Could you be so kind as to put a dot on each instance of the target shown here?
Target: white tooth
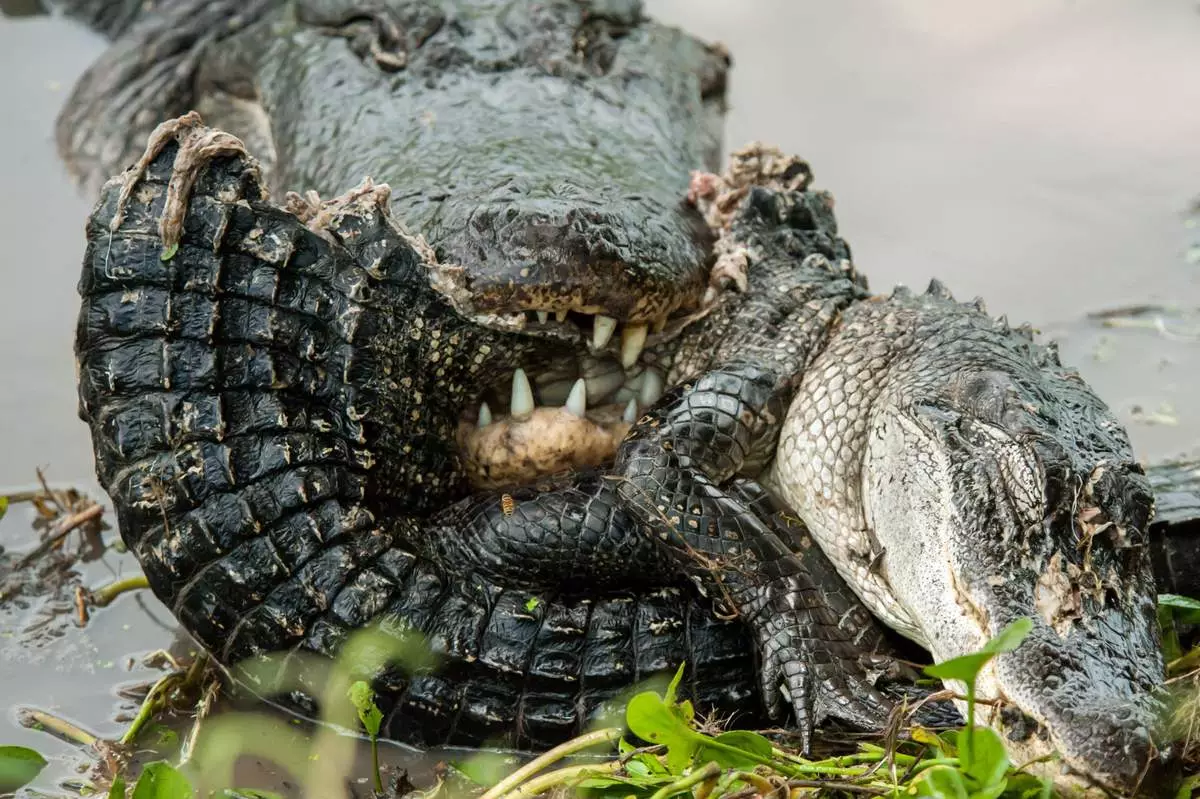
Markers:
(577, 399)
(633, 338)
(631, 411)
(560, 316)
(543, 316)
(602, 331)
(652, 388)
(485, 415)
(521, 404)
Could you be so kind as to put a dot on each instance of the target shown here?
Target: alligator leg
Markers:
(146, 76)
(670, 469)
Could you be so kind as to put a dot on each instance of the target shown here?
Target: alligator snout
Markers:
(1090, 699)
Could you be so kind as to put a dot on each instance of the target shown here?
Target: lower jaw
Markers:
(569, 418)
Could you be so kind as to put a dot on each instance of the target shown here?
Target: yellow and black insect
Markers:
(507, 504)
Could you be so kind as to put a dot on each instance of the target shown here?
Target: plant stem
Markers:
(103, 596)
(150, 705)
(705, 772)
(563, 776)
(966, 758)
(830, 785)
(375, 764)
(606, 735)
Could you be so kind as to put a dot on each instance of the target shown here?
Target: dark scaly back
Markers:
(271, 408)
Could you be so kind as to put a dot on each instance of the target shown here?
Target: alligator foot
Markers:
(198, 146)
(670, 469)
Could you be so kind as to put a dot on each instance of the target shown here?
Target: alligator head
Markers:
(969, 481)
(997, 501)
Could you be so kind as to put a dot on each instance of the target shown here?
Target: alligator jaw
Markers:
(1000, 541)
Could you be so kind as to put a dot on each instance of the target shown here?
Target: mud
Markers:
(1040, 153)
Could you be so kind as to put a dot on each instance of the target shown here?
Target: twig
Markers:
(56, 725)
(607, 735)
(61, 530)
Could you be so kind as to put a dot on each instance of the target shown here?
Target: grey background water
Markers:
(1040, 153)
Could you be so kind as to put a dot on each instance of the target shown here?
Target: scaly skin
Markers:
(506, 129)
(289, 461)
(255, 403)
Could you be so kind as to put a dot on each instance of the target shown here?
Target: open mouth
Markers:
(567, 416)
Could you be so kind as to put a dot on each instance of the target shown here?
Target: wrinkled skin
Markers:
(878, 439)
(504, 128)
(928, 416)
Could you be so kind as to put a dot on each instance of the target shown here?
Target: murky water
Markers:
(1039, 153)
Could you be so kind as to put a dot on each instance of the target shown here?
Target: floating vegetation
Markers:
(657, 747)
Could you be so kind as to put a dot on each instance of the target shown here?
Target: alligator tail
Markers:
(213, 345)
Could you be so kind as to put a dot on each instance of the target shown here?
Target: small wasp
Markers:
(507, 504)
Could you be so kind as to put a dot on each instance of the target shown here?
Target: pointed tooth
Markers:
(543, 316)
(521, 404)
(652, 388)
(602, 331)
(560, 316)
(660, 324)
(631, 412)
(633, 338)
(485, 415)
(577, 399)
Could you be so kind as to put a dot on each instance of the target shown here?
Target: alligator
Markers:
(278, 396)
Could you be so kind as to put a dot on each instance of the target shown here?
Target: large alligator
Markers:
(276, 396)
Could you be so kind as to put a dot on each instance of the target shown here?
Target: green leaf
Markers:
(755, 747)
(966, 668)
(117, 789)
(3, 506)
(1179, 601)
(167, 254)
(532, 603)
(989, 759)
(1183, 608)
(364, 702)
(160, 780)
(18, 767)
(1010, 637)
(654, 720)
(669, 696)
(1171, 648)
(943, 782)
(248, 793)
